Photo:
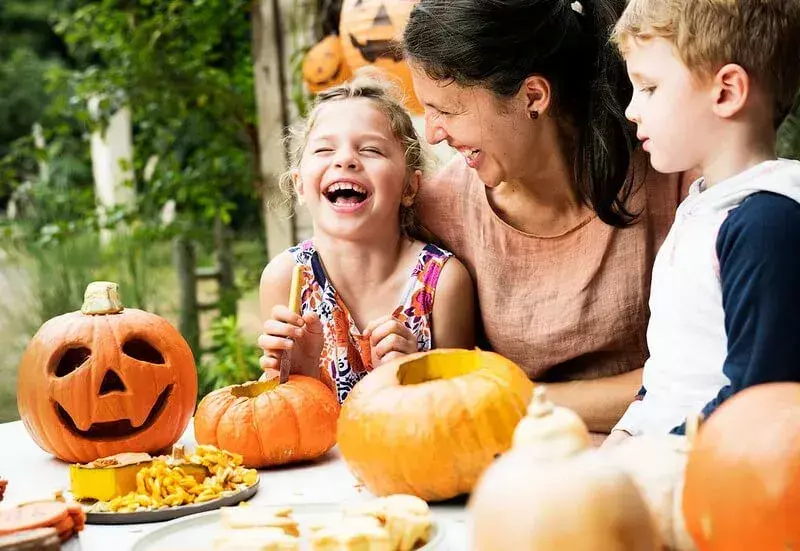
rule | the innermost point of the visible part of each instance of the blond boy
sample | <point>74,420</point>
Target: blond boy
<point>712,78</point>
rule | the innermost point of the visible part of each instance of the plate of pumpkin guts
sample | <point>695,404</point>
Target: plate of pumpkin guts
<point>130,488</point>
<point>392,523</point>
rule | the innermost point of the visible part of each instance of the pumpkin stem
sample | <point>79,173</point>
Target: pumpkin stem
<point>540,405</point>
<point>100,298</point>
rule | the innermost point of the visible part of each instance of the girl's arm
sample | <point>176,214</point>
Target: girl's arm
<point>454,308</point>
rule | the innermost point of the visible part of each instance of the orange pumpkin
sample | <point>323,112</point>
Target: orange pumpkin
<point>429,423</point>
<point>106,380</point>
<point>742,487</point>
<point>371,33</point>
<point>269,423</point>
<point>324,65</point>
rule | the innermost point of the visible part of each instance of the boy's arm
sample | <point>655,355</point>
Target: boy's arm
<point>758,247</point>
<point>453,316</point>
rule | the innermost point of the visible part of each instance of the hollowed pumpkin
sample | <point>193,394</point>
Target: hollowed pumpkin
<point>324,65</point>
<point>429,423</point>
<point>371,33</point>
<point>106,380</point>
<point>742,485</point>
<point>269,423</point>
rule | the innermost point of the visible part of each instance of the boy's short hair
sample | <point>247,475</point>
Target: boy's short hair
<point>762,36</point>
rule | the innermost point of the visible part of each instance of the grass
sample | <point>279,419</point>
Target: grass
<point>150,272</point>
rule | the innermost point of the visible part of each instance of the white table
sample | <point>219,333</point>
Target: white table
<point>32,474</point>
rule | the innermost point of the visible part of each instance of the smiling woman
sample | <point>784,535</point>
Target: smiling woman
<point>106,380</point>
<point>550,206</point>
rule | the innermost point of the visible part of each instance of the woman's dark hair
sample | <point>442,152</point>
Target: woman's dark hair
<point>497,44</point>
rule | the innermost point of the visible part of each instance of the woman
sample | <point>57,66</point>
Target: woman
<point>555,216</point>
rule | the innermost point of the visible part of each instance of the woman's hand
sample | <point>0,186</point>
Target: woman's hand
<point>615,438</point>
<point>389,339</point>
<point>301,337</point>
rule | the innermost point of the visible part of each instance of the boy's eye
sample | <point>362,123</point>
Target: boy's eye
<point>647,89</point>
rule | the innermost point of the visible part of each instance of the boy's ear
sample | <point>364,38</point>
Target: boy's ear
<point>297,183</point>
<point>411,188</point>
<point>731,90</point>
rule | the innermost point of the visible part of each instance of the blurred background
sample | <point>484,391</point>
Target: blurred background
<point>141,142</point>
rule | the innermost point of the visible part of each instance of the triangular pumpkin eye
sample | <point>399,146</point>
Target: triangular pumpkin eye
<point>382,17</point>
<point>142,350</point>
<point>72,359</point>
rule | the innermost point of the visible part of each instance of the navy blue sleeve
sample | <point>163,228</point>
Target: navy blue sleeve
<point>758,247</point>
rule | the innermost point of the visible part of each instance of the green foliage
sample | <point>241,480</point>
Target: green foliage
<point>231,359</point>
<point>789,133</point>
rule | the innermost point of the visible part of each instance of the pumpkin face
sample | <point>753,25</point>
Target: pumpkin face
<point>92,385</point>
<point>269,423</point>
<point>324,65</point>
<point>742,486</point>
<point>371,33</point>
<point>428,424</point>
<point>580,503</point>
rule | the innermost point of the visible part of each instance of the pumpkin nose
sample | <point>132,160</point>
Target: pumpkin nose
<point>111,383</point>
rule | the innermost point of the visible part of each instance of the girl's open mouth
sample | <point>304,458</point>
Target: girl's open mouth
<point>346,195</point>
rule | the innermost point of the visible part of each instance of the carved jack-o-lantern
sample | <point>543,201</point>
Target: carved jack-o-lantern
<point>106,380</point>
<point>371,33</point>
<point>324,65</point>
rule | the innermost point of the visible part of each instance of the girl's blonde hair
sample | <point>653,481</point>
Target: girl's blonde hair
<point>385,97</point>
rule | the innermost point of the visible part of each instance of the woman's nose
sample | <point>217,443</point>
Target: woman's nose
<point>631,113</point>
<point>434,132</point>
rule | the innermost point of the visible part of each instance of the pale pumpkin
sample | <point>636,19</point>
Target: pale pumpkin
<point>269,423</point>
<point>106,380</point>
<point>428,424</point>
<point>549,430</point>
<point>742,486</point>
<point>371,32</point>
<point>580,503</point>
<point>324,65</point>
<point>656,464</point>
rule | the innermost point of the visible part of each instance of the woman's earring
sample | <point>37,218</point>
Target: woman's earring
<point>533,114</point>
<point>408,201</point>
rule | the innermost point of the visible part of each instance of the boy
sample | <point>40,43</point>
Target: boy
<point>712,78</point>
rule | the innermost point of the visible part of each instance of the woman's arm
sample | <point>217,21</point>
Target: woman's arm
<point>454,308</point>
<point>600,402</point>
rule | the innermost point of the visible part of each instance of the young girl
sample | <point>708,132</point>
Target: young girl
<point>368,286</point>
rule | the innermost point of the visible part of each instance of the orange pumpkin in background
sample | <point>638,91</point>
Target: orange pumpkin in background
<point>428,424</point>
<point>742,485</point>
<point>106,380</point>
<point>269,423</point>
<point>371,32</point>
<point>324,65</point>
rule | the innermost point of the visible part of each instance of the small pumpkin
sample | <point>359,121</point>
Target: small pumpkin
<point>324,65</point>
<point>371,33</point>
<point>580,503</point>
<point>429,423</point>
<point>551,431</point>
<point>656,464</point>
<point>269,423</point>
<point>106,380</point>
<point>742,486</point>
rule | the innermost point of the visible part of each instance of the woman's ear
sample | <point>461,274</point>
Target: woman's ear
<point>731,90</point>
<point>412,187</point>
<point>537,94</point>
<point>297,183</point>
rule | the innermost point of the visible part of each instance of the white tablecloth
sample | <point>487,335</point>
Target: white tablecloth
<point>32,474</point>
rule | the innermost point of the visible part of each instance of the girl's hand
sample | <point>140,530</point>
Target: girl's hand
<point>301,337</point>
<point>389,339</point>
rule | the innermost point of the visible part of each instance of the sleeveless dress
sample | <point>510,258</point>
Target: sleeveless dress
<point>346,353</point>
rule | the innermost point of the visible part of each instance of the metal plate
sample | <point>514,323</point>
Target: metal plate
<point>170,513</point>
<point>197,532</point>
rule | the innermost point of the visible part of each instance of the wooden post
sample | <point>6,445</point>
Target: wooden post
<point>185,263</point>
<point>270,84</point>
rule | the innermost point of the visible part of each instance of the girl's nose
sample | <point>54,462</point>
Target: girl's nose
<point>346,159</point>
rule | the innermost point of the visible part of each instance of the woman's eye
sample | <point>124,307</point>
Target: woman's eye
<point>647,89</point>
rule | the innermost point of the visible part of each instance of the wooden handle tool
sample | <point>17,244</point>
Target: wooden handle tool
<point>294,305</point>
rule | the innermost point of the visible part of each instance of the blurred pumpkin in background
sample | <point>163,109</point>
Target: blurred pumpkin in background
<point>371,34</point>
<point>106,380</point>
<point>324,65</point>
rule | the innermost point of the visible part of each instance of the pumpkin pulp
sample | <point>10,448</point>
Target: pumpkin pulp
<point>251,389</point>
<point>436,367</point>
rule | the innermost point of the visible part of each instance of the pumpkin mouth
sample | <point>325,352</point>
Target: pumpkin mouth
<point>434,367</point>
<point>372,50</point>
<point>121,428</point>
